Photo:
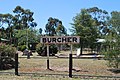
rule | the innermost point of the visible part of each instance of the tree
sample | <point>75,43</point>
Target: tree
<point>54,26</point>
<point>8,19</point>
<point>115,21</point>
<point>84,26</point>
<point>60,30</point>
<point>23,18</point>
<point>20,35</point>
<point>1,20</point>
<point>40,31</point>
<point>101,18</point>
<point>112,54</point>
<point>3,33</point>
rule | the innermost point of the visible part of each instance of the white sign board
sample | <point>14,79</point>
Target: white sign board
<point>60,39</point>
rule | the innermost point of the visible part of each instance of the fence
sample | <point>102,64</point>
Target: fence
<point>60,67</point>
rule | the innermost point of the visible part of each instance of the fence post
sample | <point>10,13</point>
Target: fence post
<point>16,64</point>
<point>70,63</point>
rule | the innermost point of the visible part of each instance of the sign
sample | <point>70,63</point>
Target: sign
<point>60,39</point>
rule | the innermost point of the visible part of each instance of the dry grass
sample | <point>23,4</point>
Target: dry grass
<point>58,66</point>
<point>80,66</point>
<point>32,77</point>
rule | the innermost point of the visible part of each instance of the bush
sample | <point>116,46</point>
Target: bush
<point>113,58</point>
<point>42,49</point>
<point>22,48</point>
<point>53,50</point>
<point>7,54</point>
<point>39,48</point>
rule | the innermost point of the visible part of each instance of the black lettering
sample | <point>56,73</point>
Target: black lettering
<point>54,40</point>
<point>69,39</point>
<point>74,39</point>
<point>48,40</point>
<point>59,39</point>
<point>63,39</point>
<point>44,40</point>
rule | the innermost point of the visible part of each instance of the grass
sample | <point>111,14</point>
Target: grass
<point>80,66</point>
<point>13,77</point>
<point>38,77</point>
<point>58,66</point>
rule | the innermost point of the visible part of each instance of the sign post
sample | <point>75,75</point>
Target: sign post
<point>60,40</point>
<point>70,62</point>
<point>48,57</point>
<point>16,63</point>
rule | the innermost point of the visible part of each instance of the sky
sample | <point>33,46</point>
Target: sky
<point>63,10</point>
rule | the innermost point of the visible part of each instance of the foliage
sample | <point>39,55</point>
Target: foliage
<point>22,47</point>
<point>24,23</point>
<point>53,49</point>
<point>101,18</point>
<point>6,20</point>
<point>112,53</point>
<point>40,31</point>
<point>42,49</point>
<point>113,57</point>
<point>84,26</point>
<point>23,18</point>
<point>54,26</point>
<point>115,21</point>
<point>25,36</point>
<point>7,54</point>
<point>39,48</point>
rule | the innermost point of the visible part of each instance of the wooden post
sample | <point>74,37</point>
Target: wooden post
<point>48,57</point>
<point>16,64</point>
<point>70,63</point>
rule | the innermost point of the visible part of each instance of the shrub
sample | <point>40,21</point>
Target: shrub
<point>42,49</point>
<point>39,48</point>
<point>22,48</point>
<point>7,54</point>
<point>53,49</point>
<point>113,58</point>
